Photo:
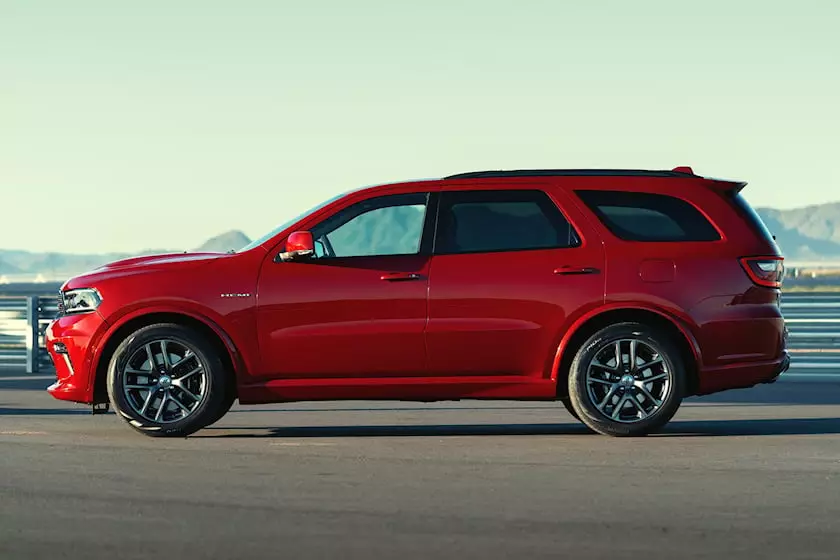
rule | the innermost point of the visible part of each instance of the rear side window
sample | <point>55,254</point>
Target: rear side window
<point>635,216</point>
<point>490,221</point>
<point>752,217</point>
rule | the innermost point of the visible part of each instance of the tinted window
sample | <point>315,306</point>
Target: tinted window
<point>386,225</point>
<point>752,217</point>
<point>486,221</point>
<point>649,217</point>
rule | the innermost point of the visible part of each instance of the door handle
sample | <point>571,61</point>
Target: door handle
<point>400,276</point>
<point>571,270</point>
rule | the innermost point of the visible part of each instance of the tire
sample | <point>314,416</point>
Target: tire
<point>614,398</point>
<point>184,395</point>
<point>567,402</point>
<point>227,403</point>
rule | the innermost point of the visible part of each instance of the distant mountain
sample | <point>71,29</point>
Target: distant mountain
<point>228,241</point>
<point>6,268</point>
<point>809,233</point>
<point>65,265</point>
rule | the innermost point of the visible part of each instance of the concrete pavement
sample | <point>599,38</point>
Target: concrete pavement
<point>748,474</point>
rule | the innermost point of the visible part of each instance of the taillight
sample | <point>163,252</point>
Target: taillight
<point>765,271</point>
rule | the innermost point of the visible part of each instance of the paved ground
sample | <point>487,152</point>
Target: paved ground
<point>753,474</point>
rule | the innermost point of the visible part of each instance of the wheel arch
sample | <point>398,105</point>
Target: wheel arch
<point>589,324</point>
<point>227,349</point>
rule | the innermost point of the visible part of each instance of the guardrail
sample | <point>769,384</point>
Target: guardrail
<point>23,321</point>
<point>813,321</point>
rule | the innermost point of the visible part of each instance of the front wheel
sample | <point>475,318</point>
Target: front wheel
<point>567,402</point>
<point>627,380</point>
<point>167,380</point>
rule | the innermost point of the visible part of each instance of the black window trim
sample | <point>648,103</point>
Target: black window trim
<point>547,199</point>
<point>426,239</point>
<point>617,230</point>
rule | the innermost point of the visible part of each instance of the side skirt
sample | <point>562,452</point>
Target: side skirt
<point>418,389</point>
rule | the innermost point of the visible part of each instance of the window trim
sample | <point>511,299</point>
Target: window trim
<point>538,195</point>
<point>619,232</point>
<point>426,235</point>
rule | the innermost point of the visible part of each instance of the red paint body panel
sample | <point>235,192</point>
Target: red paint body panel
<point>73,369</point>
<point>430,326</point>
<point>342,319</point>
<point>501,314</point>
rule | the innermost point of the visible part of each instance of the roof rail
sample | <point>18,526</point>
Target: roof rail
<point>676,172</point>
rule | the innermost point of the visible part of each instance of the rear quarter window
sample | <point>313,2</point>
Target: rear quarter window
<point>635,216</point>
<point>751,216</point>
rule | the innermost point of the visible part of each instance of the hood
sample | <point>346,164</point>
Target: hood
<point>141,265</point>
<point>161,260</point>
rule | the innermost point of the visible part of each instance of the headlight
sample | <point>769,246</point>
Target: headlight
<point>80,301</point>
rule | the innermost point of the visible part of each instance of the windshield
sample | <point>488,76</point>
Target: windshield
<point>288,224</point>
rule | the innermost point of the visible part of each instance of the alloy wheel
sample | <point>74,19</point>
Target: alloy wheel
<point>164,381</point>
<point>628,380</point>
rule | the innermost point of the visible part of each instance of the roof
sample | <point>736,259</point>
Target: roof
<point>676,172</point>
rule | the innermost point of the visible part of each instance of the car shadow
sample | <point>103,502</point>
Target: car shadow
<point>380,408</point>
<point>782,393</point>
<point>754,427</point>
<point>13,411</point>
<point>708,428</point>
<point>415,430</point>
<point>25,383</point>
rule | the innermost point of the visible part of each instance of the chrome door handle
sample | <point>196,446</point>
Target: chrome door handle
<point>572,271</point>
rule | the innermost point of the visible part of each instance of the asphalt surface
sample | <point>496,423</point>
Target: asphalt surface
<point>749,474</point>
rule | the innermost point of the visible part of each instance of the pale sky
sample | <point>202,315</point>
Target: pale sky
<point>128,125</point>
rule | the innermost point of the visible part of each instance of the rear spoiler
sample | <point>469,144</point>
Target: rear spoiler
<point>722,185</point>
<point>725,185</point>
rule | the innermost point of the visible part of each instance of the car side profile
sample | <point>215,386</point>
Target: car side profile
<point>616,292</point>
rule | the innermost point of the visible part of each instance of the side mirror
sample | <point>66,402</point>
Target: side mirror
<point>299,244</point>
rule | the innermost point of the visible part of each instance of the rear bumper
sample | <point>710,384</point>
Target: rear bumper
<point>740,376</point>
<point>783,367</point>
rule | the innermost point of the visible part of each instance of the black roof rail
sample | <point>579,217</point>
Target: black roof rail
<point>677,172</point>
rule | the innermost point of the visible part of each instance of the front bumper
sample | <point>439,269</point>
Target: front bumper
<point>70,344</point>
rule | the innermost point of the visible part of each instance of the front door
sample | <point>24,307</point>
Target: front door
<point>508,271</point>
<point>357,308</point>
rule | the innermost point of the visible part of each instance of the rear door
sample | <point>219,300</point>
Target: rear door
<point>510,271</point>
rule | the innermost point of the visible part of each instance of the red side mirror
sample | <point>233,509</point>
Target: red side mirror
<point>300,241</point>
<point>299,244</point>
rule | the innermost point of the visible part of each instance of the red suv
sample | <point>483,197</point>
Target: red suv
<point>616,292</point>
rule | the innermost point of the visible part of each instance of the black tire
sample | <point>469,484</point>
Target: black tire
<point>227,404</point>
<point>673,367</point>
<point>213,403</point>
<point>567,402</point>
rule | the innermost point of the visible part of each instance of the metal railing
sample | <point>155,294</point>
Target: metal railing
<point>23,322</point>
<point>813,321</point>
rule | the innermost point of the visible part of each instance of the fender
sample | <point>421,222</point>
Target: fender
<point>196,312</point>
<point>675,318</point>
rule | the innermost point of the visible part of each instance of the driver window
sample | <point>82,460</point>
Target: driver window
<point>386,225</point>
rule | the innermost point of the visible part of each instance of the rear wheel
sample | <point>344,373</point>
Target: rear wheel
<point>167,380</point>
<point>627,380</point>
